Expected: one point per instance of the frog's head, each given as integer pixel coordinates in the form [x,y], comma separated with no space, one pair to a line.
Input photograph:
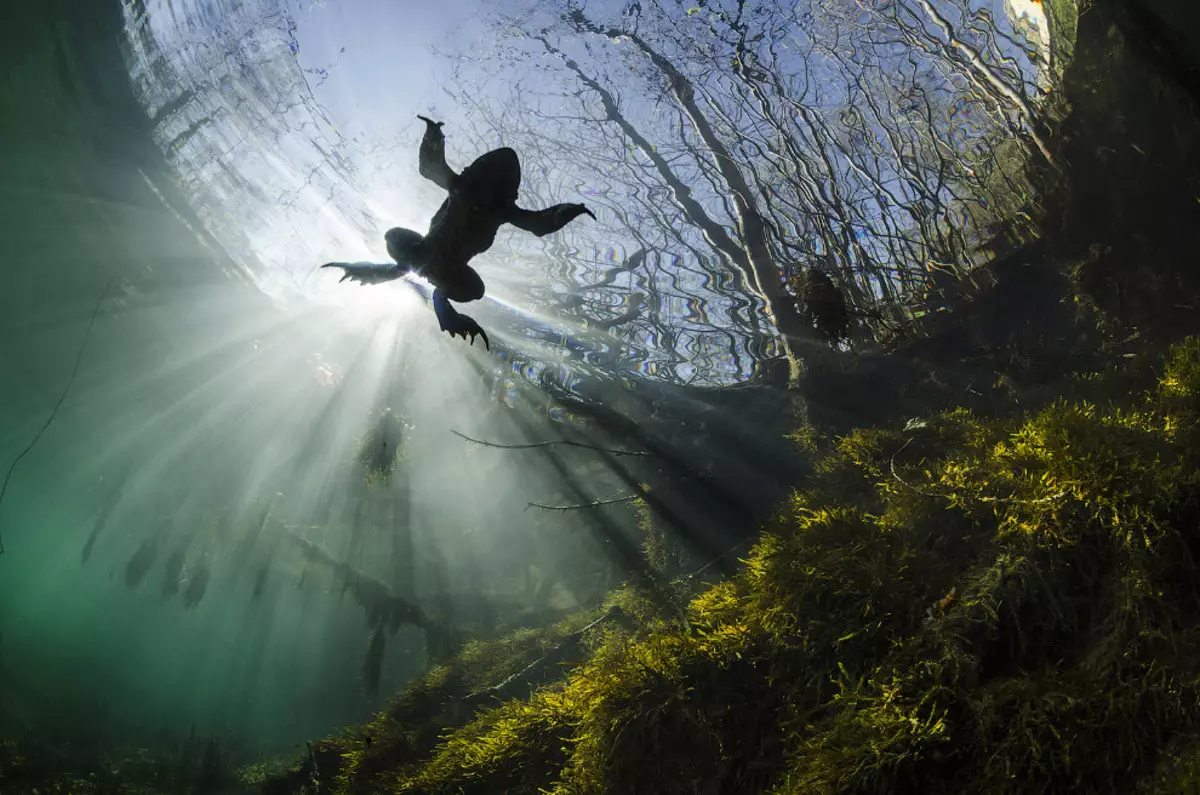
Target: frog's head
[405,246]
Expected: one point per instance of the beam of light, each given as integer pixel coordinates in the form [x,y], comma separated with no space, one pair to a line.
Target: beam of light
[255,436]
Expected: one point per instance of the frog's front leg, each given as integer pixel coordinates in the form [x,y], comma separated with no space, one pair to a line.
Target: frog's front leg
[369,272]
[432,156]
[547,221]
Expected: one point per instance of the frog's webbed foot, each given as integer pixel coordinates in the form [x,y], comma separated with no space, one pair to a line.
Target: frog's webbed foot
[455,323]
[551,219]
[436,125]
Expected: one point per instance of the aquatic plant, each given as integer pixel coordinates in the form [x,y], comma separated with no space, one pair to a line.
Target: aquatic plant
[197,583]
[381,449]
[140,561]
[965,603]
[172,573]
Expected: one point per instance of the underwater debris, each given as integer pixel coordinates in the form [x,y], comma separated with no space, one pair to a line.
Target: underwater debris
[383,608]
[373,661]
[380,450]
[118,303]
[197,584]
[141,561]
[260,580]
[172,573]
[85,553]
[249,539]
[106,509]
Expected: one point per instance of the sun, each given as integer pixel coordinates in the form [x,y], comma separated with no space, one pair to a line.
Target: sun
[371,302]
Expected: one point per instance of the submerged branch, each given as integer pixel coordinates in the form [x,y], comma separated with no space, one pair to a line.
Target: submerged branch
[548,444]
[383,608]
[598,503]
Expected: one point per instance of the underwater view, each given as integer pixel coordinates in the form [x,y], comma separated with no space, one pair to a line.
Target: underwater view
[600,396]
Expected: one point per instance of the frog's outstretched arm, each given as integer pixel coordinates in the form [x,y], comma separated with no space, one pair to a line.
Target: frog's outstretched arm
[547,221]
[433,155]
[369,272]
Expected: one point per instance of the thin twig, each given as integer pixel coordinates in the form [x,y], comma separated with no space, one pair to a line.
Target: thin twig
[614,500]
[547,444]
[896,475]
[744,542]
[61,399]
[1058,495]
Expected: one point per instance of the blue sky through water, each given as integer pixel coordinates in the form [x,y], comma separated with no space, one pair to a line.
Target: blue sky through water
[282,201]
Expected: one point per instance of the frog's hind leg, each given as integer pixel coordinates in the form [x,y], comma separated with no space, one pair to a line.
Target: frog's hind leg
[460,284]
[544,222]
[454,322]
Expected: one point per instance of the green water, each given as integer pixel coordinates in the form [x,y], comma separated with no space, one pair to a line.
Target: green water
[81,653]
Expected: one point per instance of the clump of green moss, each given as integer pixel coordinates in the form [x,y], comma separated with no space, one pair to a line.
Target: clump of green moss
[406,734]
[1002,605]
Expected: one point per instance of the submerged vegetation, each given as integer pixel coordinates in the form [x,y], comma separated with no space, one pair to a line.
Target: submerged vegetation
[382,449]
[195,766]
[1002,604]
